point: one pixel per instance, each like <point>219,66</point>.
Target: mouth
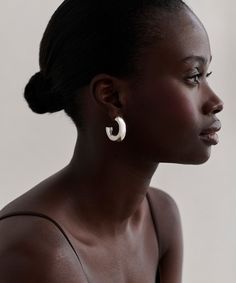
<point>209,134</point>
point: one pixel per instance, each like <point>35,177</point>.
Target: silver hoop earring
<point>122,130</point>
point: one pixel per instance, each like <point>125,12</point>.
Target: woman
<point>132,75</point>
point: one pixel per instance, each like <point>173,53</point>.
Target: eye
<point>195,79</point>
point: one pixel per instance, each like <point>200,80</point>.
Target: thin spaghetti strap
<point>154,219</point>
<point>37,214</point>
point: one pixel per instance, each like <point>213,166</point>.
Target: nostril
<point>212,105</point>
<point>217,108</point>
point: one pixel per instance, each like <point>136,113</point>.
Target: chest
<point>122,260</point>
<point>119,264</point>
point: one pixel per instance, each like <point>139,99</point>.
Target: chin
<point>195,158</point>
<point>194,155</point>
<point>198,159</point>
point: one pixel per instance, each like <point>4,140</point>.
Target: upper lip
<point>214,127</point>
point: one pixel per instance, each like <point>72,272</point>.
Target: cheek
<point>170,107</point>
<point>165,119</point>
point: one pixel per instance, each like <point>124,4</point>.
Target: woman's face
<point>173,104</point>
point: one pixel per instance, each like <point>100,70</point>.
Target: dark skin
<point>99,197</point>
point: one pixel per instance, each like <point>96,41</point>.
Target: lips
<point>209,135</point>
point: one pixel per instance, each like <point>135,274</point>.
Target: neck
<point>108,186</point>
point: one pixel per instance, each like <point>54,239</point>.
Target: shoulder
<point>164,202</point>
<point>36,251</point>
<point>168,217</point>
<point>47,196</point>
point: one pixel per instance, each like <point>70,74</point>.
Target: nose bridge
<point>212,104</point>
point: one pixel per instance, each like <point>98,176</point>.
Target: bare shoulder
<point>160,194</point>
<point>45,197</point>
<point>166,211</point>
<point>170,235</point>
<point>165,201</point>
<point>37,252</point>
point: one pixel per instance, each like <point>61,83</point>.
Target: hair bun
<point>39,95</point>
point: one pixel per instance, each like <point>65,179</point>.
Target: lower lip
<point>210,139</point>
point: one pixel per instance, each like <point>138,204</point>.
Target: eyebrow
<point>200,59</point>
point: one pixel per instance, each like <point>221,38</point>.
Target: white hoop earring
<point>122,130</point>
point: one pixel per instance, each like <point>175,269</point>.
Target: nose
<point>218,107</point>
<point>213,104</point>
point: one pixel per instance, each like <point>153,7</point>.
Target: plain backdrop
<point>32,147</point>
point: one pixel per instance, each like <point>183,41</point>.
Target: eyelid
<point>197,76</point>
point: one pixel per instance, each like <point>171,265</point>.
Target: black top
<point>31,213</point>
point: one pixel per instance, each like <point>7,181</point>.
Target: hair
<point>84,38</point>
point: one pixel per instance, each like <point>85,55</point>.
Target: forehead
<point>183,37</point>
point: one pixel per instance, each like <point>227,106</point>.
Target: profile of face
<point>172,104</point>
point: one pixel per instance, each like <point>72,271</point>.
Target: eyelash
<point>197,78</point>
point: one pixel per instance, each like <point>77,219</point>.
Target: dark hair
<point>84,38</point>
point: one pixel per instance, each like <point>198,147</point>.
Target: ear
<point>108,91</point>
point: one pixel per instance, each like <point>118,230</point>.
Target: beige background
<point>32,147</point>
